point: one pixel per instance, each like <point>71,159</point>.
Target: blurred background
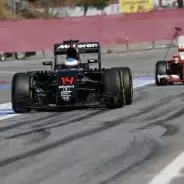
<point>16,9</point>
<point>47,9</point>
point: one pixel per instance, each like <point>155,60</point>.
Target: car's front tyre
<point>160,69</point>
<point>21,93</point>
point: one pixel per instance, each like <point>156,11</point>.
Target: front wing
<point>67,106</point>
<point>170,79</point>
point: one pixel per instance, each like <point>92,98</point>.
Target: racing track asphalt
<point>95,146</point>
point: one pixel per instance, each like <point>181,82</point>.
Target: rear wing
<point>83,47</point>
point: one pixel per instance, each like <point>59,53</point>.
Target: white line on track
<point>7,111</point>
<point>8,116</point>
<point>169,172</point>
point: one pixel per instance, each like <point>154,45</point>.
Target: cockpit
<point>72,53</point>
<point>71,58</point>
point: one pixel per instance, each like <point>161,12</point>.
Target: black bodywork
<point>82,85</point>
<point>66,86</point>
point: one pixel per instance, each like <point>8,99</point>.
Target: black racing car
<point>64,86</point>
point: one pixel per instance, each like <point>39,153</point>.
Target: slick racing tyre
<point>160,69</point>
<point>114,90</point>
<point>126,77</point>
<point>20,93</point>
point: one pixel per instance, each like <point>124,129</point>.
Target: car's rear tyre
<point>126,76</point>
<point>114,89</point>
<point>160,69</point>
<point>20,93</point>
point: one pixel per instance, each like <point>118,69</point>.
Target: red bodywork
<point>175,67</point>
<point>66,80</point>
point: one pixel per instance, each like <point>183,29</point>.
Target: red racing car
<point>171,71</point>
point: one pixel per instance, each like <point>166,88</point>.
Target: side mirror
<point>178,29</point>
<point>47,63</point>
<point>92,60</point>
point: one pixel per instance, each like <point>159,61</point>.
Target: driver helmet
<point>72,57</point>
